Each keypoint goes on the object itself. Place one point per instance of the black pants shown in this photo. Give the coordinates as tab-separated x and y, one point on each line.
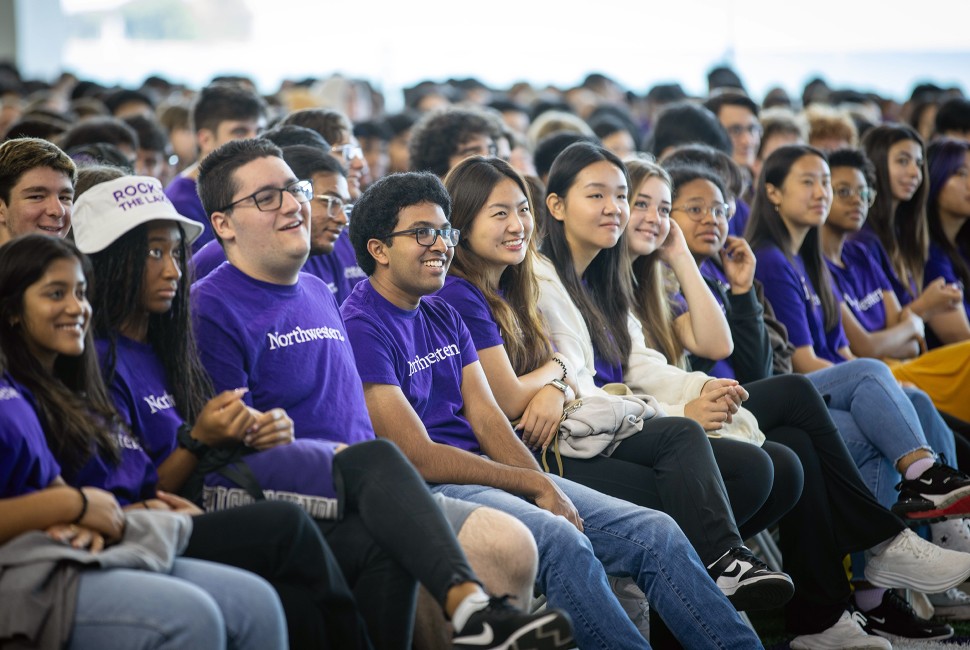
280	542
392	536
836	513
670	466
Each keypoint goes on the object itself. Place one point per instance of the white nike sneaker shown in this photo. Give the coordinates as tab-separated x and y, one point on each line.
846	634
910	561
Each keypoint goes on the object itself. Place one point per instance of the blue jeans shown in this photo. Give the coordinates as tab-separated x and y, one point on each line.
879	421
620	539
201	605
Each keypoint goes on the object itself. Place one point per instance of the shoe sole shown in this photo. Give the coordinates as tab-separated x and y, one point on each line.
795	645
552	632
955	613
890	579
957	506
761	594
894	638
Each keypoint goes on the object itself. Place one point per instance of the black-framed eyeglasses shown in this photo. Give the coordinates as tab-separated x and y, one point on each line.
271	198
696	211
867	195
428	236
335	205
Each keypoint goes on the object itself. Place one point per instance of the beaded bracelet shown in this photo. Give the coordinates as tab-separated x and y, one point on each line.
561	365
84	506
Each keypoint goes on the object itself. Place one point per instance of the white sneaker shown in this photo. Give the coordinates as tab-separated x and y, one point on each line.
952	534
633	602
952	604
846	633
911	562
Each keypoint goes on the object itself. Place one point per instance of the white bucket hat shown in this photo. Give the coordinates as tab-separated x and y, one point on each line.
110	209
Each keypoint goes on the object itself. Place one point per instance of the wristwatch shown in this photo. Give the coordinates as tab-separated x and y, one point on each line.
559	384
190	444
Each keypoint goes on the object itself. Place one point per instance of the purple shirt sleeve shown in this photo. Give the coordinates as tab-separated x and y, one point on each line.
183	195
471	305
797	304
26	463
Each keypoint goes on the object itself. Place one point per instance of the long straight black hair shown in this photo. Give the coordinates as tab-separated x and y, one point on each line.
765	227
72	402
606	299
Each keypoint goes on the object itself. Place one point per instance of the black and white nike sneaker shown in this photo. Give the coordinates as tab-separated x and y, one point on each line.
894	619
941	492
503	627
749	583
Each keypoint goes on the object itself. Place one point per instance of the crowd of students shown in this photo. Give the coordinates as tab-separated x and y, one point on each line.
281	379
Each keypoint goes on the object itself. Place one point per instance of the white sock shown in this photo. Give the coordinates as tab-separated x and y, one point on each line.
472	603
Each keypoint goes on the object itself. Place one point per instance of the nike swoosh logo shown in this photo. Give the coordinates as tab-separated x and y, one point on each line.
877	620
484	637
734	570
926	481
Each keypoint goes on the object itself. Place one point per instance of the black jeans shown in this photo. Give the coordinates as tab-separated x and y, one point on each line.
392	536
280	542
836	513
670	466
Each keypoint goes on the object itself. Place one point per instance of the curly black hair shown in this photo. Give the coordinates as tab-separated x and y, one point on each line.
436	138
376	212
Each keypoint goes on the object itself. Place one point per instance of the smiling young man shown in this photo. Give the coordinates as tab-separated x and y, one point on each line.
36	189
263	324
222	112
426	392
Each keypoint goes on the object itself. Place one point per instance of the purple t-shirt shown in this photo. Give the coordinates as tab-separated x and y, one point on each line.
723	368
797	305
183	195
423	351
325	267
132	479
142	397
346	258
206	259
288	344
874	248
938	265
471	305
862	283
26	463
740	221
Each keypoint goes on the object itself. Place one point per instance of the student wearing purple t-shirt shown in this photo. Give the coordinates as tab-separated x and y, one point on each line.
491	284
263	324
111	606
875	323
793	199
947	213
896	232
425	390
221	113
44	336
328	220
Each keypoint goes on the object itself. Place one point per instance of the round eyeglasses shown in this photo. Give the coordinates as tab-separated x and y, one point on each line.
696	211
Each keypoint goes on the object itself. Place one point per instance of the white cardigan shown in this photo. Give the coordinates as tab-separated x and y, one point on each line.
646	371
